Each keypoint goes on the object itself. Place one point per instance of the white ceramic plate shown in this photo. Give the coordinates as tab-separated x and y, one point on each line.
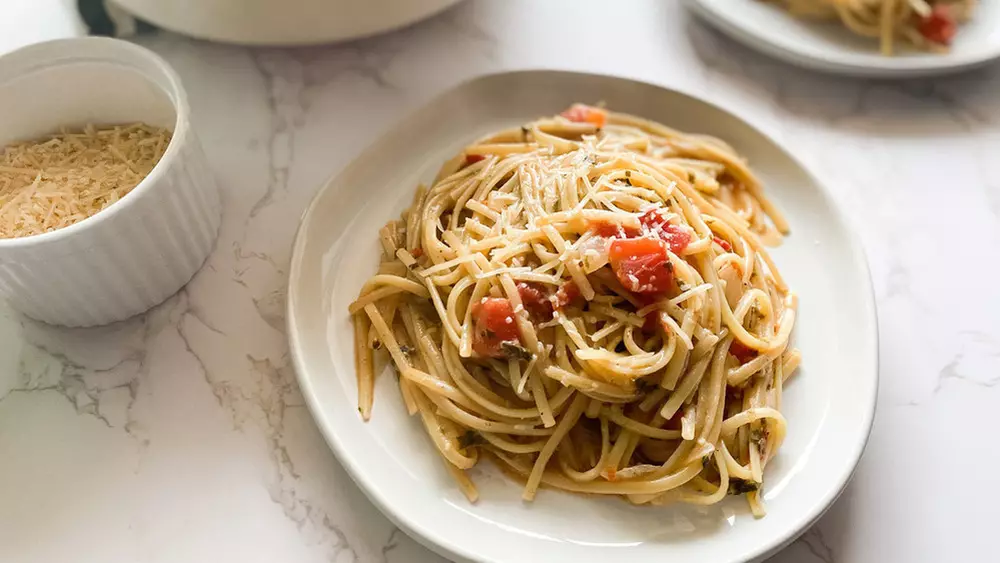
830	47
829	404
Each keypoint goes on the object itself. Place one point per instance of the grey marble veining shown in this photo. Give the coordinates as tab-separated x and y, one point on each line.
181	435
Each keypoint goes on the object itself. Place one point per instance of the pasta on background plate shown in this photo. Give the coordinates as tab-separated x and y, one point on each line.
927	25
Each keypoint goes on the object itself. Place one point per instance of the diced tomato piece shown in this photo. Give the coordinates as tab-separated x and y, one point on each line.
652	318
567	294
608	229
654	222
493	323
676	237
641	265
535	300
586	114
939	27
723	243
742	352
471	159
651	321
674	422
417	252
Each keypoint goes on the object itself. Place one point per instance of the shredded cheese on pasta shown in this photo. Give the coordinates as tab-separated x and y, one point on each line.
587	301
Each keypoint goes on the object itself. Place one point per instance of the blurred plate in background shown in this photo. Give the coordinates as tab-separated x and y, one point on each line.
830	47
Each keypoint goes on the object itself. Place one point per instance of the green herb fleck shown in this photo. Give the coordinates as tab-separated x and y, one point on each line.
513	351
470	439
645	386
739	486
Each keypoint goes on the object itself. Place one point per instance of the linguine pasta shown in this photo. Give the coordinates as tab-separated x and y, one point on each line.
587	301
927	25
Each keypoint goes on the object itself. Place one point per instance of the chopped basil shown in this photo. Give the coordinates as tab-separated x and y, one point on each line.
644	385
513	351
739	486
469	439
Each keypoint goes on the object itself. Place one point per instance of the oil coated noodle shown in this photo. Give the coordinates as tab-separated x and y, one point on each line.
928	25
587	301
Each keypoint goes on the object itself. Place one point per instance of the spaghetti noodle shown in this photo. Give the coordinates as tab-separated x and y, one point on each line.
928	25
587	300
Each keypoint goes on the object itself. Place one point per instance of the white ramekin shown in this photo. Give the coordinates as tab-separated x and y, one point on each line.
145	247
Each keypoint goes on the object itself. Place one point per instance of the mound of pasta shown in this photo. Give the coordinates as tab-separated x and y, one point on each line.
928	25
587	301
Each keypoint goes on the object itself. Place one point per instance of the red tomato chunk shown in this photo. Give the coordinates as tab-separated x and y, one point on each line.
493	324
641	265
586	114
535	300
654	222
939	27
742	352
567	294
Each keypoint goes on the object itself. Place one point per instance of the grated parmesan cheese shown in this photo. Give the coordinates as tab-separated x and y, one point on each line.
51	183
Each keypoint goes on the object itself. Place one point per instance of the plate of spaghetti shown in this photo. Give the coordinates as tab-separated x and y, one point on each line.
881	38
538	329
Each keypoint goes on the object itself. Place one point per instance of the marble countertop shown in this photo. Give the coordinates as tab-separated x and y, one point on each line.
181	435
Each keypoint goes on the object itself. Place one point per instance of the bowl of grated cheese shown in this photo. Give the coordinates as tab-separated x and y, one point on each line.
107	202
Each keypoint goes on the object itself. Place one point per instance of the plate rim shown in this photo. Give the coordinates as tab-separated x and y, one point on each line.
424	534
862	66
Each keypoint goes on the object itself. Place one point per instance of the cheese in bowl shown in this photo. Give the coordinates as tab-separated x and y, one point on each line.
53	182
108	203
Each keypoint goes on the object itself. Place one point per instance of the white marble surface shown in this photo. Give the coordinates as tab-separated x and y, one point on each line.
181	435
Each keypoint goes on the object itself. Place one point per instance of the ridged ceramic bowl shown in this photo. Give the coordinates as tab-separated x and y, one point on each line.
145	247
